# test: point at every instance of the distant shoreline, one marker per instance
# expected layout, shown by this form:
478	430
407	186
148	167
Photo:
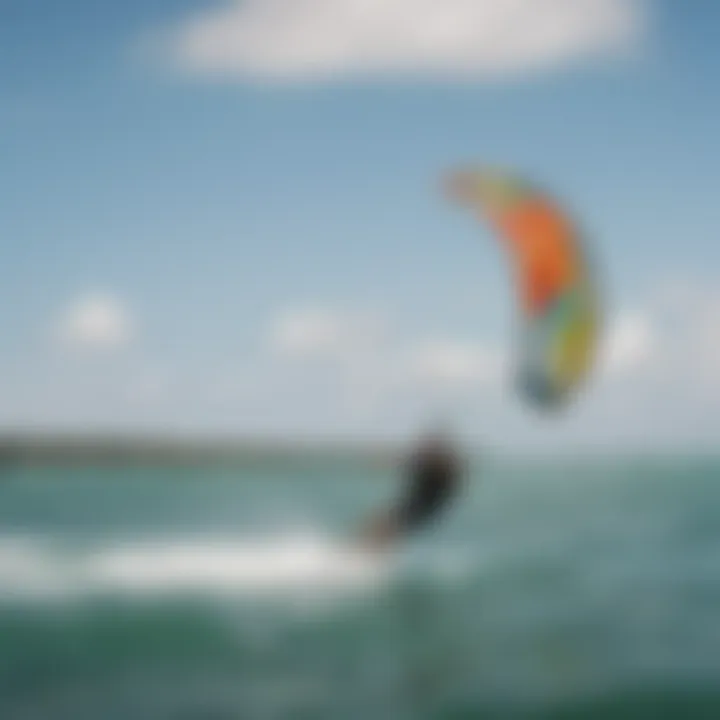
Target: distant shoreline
105	450
27	449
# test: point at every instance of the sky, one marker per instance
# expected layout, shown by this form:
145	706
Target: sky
225	217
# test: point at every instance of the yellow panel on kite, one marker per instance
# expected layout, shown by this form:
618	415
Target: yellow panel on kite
558	298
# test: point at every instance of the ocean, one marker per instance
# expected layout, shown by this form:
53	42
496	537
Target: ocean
555	588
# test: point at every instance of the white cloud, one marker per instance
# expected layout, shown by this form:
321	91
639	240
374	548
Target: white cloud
308	332
631	342
692	328
350	364
455	364
95	322
305	40
322	332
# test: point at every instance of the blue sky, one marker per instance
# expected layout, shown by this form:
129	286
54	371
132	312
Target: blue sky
188	234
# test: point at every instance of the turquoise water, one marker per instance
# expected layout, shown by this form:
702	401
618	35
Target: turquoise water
556	589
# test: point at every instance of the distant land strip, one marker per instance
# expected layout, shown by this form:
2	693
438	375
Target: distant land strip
44	450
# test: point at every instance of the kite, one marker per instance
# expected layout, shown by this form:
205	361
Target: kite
555	283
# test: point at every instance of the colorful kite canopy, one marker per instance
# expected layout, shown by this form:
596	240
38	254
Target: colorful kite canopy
558	298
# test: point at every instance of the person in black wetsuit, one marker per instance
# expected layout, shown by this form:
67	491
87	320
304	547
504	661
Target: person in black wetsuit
433	477
433	474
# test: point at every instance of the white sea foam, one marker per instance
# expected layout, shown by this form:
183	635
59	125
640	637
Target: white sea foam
304	563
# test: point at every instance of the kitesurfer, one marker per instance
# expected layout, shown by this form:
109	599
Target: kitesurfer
432	479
